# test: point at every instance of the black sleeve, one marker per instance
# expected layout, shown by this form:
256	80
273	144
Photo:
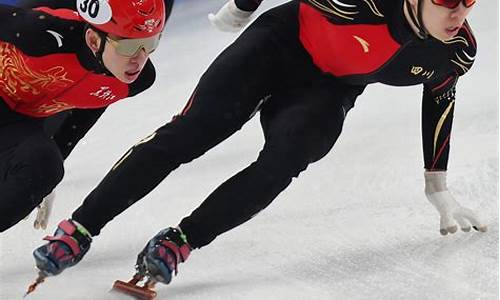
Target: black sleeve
37	33
437	117
248	5
168	8
439	100
73	127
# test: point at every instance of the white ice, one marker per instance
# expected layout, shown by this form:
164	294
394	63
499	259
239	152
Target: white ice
355	225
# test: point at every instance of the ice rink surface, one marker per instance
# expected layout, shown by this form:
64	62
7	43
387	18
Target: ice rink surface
355	225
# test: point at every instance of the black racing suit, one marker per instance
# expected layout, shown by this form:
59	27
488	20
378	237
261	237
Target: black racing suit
302	65
52	91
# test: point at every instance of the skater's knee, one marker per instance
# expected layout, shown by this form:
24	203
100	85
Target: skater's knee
293	159
317	149
282	164
53	171
40	162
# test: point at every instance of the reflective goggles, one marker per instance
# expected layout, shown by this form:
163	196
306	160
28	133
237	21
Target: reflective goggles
453	3
131	47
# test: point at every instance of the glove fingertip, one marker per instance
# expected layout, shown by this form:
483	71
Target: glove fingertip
483	228
452	229
211	18
466	229
443	231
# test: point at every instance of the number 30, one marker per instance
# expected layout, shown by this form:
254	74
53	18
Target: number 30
91	7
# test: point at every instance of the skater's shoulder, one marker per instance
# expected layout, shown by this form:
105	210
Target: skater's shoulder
462	49
42	30
39	18
464	39
351	11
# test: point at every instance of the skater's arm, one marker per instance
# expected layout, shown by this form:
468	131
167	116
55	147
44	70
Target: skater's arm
437	117
74	128
439	99
168	8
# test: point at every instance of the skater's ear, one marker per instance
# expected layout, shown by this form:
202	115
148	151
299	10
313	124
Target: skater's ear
413	2
93	40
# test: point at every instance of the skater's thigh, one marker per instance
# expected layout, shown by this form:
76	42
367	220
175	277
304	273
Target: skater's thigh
30	145
246	72
34	158
306	121
15	133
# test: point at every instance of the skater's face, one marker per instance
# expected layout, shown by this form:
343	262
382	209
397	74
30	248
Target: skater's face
126	68
443	22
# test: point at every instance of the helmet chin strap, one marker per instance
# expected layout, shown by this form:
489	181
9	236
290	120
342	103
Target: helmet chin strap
100	51
418	20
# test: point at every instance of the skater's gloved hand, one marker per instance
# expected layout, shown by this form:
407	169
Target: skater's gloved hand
449	209
44	211
230	18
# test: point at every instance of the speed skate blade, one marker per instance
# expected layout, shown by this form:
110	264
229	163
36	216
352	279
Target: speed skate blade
139	292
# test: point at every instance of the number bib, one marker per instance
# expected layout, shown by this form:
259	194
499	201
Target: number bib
94	11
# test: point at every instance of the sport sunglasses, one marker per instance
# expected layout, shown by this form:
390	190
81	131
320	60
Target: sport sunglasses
130	47
453	3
